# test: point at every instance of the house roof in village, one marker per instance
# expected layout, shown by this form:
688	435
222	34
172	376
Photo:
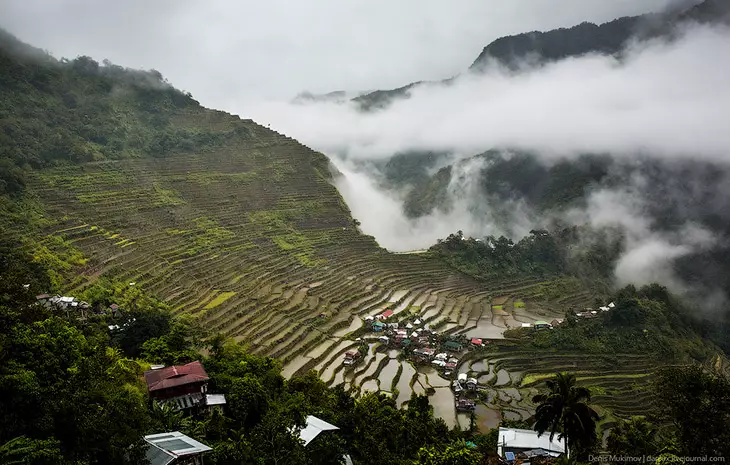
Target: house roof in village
512	438
178	375
313	428
215	399
166	447
387	314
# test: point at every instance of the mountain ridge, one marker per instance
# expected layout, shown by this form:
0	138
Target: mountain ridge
522	51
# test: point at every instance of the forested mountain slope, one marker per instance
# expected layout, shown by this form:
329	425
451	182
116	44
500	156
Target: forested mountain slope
113	172
538	47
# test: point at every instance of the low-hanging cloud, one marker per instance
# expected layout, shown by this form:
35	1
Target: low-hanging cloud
662	97
666	99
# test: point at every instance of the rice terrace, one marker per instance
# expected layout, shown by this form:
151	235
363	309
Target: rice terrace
253	240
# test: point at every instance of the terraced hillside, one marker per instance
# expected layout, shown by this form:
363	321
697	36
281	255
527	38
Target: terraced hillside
620	383
251	237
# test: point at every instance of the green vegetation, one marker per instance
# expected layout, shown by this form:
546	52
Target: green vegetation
689	420
219	299
537	254
564	410
647	320
72	391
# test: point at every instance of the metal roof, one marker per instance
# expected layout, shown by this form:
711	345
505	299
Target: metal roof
164	448
179	375
313	428
215	399
512	438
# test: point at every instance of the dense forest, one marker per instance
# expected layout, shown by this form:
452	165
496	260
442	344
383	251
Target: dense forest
91	112
72	390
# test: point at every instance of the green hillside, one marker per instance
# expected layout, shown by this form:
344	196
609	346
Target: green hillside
112	172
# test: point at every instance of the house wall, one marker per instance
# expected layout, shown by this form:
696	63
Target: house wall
176	391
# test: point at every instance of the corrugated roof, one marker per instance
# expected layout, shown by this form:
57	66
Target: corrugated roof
215	399
313	428
528	439
165	447
178	375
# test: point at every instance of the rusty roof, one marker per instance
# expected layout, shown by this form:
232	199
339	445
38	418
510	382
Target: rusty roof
178	375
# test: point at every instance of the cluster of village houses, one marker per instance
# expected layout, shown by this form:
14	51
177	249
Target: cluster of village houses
421	343
185	387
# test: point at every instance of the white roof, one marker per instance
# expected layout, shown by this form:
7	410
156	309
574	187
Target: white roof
418	322
526	325
66	299
409	326
215	399
462	377
313	428
166	447
611	305
528	439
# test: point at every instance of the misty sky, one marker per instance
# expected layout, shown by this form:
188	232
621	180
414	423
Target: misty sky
228	53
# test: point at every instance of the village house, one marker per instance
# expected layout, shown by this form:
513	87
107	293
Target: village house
378	326
174	448
182	386
351	357
516	441
453	346
314	428
542	325
465	405
385	315
424	354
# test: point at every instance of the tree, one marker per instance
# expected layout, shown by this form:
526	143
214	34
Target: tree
697	403
633	437
166	418
563	410
25	451
456	453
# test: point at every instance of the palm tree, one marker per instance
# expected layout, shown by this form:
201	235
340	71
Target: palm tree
563	409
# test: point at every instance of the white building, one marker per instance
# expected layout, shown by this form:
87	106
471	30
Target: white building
523	440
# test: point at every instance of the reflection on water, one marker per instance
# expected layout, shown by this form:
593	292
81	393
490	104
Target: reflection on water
487	418
443	406
403	383
502	378
369	385
387	374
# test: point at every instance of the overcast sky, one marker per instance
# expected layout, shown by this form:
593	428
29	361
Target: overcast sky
231	52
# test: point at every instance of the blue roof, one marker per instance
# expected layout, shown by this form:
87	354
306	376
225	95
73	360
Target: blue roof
510	456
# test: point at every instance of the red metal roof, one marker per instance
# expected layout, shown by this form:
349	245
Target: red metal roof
178	375
387	313
476	341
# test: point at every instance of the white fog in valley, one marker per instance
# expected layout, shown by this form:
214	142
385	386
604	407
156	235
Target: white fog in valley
664	99
667	99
